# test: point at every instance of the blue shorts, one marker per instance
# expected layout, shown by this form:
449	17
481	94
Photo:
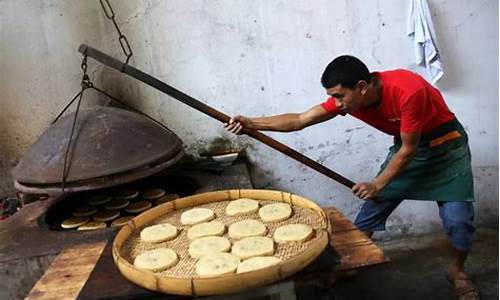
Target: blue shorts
457	218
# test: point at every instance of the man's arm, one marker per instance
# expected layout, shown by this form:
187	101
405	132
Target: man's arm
285	122
398	163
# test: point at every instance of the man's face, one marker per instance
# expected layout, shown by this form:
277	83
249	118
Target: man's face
348	100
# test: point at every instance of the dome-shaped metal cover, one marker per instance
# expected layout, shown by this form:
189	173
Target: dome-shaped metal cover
106	141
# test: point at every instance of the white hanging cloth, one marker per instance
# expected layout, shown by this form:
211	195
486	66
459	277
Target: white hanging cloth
421	29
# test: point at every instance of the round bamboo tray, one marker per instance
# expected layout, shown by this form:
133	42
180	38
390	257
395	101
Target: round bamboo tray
182	279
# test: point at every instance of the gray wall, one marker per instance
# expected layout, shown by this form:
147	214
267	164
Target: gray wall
256	58
40	69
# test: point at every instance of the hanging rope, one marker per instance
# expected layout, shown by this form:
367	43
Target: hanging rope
67	106
130	107
68	145
85	84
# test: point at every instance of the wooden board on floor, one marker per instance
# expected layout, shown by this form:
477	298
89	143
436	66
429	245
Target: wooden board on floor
88	271
68	272
356	249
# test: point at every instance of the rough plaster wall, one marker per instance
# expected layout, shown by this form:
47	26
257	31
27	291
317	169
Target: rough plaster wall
40	69
261	58
266	57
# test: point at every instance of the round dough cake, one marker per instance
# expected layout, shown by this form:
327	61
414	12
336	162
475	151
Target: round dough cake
197	215
153	194
253	246
99	199
293	233
275	212
117	204
206	229
256	263
208	246
74	222
127	194
242	206
158	233
246	228
121	221
84	211
156	260
137	207
105	215
92	225
217	264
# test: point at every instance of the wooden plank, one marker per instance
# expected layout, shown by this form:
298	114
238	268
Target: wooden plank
349	237
361	256
68	272
354	247
338	221
342	225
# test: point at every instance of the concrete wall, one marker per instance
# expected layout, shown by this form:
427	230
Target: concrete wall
258	58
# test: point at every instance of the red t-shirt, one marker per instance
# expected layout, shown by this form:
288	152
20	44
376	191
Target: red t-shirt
409	104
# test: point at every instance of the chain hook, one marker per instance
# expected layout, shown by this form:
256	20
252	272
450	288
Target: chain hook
86	83
84	64
124	44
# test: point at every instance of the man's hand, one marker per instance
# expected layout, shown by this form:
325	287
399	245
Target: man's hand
237	123
281	123
366	190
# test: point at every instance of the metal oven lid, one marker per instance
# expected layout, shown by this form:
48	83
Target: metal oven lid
99	182
107	141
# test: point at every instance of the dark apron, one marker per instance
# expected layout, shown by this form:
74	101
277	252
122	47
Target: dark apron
440	171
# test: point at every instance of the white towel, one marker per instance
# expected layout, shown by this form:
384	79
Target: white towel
421	30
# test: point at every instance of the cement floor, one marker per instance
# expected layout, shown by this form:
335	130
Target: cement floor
417	270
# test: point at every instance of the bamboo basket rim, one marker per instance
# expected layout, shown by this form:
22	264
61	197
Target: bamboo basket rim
308	255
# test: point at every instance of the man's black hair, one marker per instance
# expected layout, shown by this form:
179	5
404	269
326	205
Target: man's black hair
345	70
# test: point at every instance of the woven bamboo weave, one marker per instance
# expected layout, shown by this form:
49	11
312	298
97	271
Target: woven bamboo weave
182	278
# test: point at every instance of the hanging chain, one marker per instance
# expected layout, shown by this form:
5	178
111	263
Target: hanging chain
110	14
86	83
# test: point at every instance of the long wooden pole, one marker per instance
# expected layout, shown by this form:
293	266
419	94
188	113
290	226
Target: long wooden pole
188	100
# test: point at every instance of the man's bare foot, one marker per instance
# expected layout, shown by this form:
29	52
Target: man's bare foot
464	288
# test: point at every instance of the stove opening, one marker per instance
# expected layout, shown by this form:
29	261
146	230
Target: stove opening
111	207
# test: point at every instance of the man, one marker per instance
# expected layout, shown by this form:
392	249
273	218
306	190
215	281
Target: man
430	158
